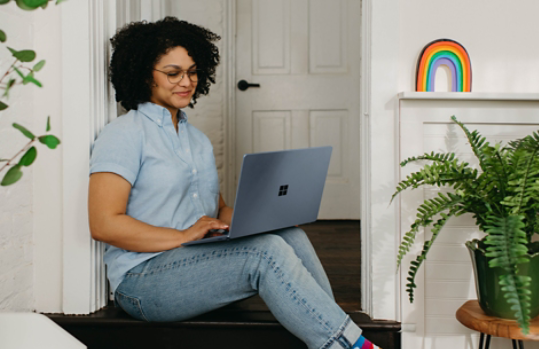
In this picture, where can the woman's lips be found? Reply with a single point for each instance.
(183, 94)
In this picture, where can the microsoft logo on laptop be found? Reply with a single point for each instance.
(283, 189)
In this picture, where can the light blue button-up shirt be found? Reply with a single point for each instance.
(173, 175)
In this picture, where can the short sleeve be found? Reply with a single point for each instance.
(117, 149)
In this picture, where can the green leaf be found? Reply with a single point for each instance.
(35, 3)
(3, 2)
(10, 83)
(12, 176)
(24, 131)
(30, 5)
(28, 157)
(25, 55)
(58, 2)
(3, 106)
(2, 35)
(50, 141)
(48, 123)
(39, 65)
(29, 78)
(19, 72)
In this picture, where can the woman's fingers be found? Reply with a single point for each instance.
(205, 226)
(212, 223)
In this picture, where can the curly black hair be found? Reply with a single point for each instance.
(138, 46)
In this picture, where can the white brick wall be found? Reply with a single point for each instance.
(16, 250)
(208, 114)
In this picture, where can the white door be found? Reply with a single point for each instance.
(305, 54)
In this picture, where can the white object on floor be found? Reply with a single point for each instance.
(32, 330)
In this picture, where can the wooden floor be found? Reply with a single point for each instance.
(338, 245)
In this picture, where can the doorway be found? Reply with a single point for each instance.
(305, 57)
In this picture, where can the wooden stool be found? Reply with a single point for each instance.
(472, 316)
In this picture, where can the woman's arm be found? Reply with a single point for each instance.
(225, 212)
(107, 203)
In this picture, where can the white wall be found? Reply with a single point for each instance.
(16, 252)
(500, 37)
(47, 202)
(208, 114)
(30, 210)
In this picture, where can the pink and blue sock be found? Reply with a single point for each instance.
(363, 343)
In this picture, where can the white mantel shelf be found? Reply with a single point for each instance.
(471, 96)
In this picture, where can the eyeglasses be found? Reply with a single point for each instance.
(176, 76)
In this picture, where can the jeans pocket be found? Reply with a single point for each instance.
(130, 305)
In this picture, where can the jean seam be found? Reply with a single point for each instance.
(196, 259)
(136, 302)
(299, 300)
(337, 335)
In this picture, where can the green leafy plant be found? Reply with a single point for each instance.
(21, 73)
(503, 197)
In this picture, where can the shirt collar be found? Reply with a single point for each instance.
(158, 114)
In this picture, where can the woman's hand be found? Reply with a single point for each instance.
(202, 228)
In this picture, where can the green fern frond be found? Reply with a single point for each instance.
(507, 241)
(525, 175)
(477, 142)
(444, 173)
(414, 265)
(507, 248)
(426, 211)
(516, 292)
(437, 157)
(492, 159)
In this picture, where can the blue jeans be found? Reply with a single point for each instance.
(281, 267)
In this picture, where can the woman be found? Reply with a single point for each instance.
(154, 186)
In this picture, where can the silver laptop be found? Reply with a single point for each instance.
(277, 190)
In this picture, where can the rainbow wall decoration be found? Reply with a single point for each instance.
(449, 53)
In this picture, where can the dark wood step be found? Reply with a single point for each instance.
(225, 328)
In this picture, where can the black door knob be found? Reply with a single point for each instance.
(244, 85)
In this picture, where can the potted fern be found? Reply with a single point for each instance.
(503, 197)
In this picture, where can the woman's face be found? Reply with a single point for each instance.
(175, 63)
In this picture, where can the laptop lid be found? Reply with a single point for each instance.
(279, 189)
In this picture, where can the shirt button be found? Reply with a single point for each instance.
(187, 150)
(194, 171)
(195, 195)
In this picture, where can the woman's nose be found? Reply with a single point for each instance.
(185, 81)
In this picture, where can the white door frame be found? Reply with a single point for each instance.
(83, 49)
(364, 132)
(87, 105)
(380, 160)
(367, 298)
